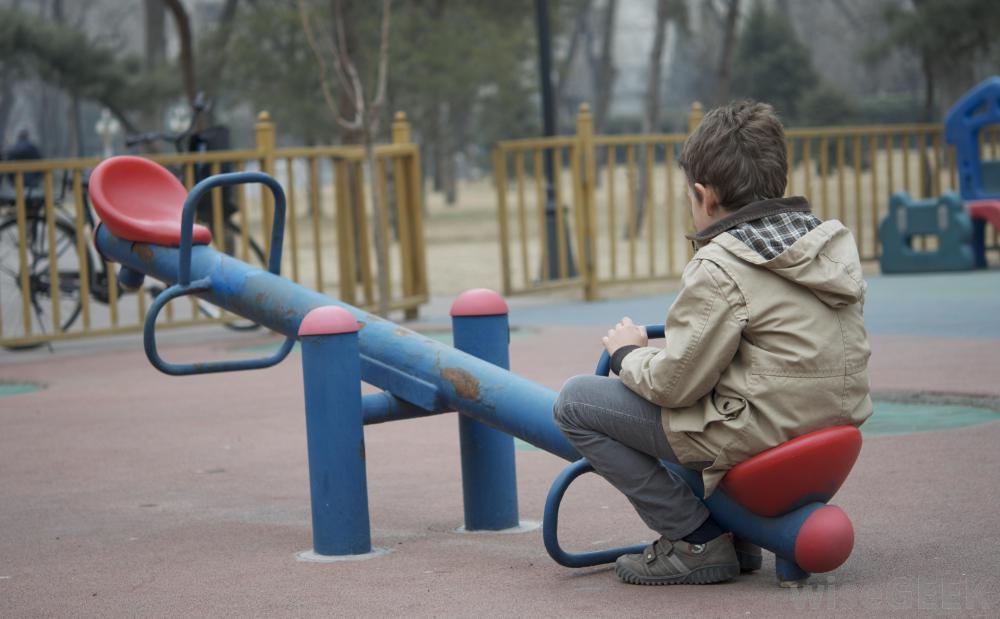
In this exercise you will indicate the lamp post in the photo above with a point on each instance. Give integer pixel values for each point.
(551, 270)
(107, 128)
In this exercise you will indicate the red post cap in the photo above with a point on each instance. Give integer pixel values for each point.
(328, 320)
(825, 540)
(479, 302)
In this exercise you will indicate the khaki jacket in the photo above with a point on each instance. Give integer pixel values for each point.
(759, 351)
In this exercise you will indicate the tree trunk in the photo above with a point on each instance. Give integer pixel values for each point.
(381, 221)
(437, 146)
(76, 128)
(579, 27)
(183, 24)
(355, 176)
(651, 117)
(217, 56)
(927, 64)
(459, 120)
(155, 35)
(726, 56)
(156, 51)
(605, 74)
(6, 101)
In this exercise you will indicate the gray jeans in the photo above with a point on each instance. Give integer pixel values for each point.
(621, 434)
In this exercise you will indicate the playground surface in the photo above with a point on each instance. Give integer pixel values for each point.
(125, 492)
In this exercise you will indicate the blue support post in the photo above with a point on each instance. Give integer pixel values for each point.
(331, 368)
(979, 243)
(789, 574)
(489, 478)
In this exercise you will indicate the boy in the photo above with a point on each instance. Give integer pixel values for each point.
(764, 342)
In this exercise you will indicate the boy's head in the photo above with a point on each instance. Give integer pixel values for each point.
(736, 156)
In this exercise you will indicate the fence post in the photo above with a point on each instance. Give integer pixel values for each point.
(264, 137)
(585, 142)
(405, 214)
(695, 116)
(694, 119)
(500, 181)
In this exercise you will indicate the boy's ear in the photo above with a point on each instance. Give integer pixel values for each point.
(706, 197)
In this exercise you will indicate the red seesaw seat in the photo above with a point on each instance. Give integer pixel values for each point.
(808, 468)
(139, 200)
(987, 210)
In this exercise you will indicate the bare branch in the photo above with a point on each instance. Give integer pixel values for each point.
(359, 91)
(351, 125)
(345, 64)
(183, 23)
(383, 62)
(338, 51)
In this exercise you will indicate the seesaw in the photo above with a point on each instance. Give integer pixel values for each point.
(776, 500)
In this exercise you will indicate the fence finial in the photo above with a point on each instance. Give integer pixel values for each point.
(695, 116)
(264, 134)
(400, 128)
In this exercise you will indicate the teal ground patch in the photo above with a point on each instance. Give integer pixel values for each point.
(892, 417)
(524, 446)
(18, 388)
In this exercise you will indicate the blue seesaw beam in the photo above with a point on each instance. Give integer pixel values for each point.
(413, 367)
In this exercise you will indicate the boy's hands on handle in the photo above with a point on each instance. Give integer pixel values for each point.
(625, 333)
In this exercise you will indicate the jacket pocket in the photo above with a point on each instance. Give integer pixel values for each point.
(728, 407)
(709, 409)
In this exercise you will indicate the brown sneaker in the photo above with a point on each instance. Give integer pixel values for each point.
(680, 563)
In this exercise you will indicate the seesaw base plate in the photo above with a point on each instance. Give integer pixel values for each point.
(310, 556)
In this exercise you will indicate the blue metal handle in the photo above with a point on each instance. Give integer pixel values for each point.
(550, 520)
(550, 524)
(185, 286)
(653, 332)
(224, 180)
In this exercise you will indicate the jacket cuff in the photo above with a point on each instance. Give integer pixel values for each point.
(619, 356)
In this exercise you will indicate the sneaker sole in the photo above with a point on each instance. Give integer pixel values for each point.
(701, 576)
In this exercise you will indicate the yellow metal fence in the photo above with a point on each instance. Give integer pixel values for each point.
(624, 210)
(46, 227)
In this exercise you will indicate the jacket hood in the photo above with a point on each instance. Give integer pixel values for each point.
(788, 240)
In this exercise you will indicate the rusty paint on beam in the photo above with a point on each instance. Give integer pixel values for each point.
(466, 385)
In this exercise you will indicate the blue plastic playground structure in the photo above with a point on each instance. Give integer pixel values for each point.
(957, 221)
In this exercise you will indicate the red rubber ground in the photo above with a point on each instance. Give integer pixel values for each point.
(124, 492)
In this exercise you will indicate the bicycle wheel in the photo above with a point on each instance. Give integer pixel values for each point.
(256, 257)
(39, 287)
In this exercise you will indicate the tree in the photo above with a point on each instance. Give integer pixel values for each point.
(66, 58)
(362, 114)
(604, 70)
(725, 70)
(666, 10)
(269, 65)
(459, 65)
(772, 64)
(948, 36)
(183, 24)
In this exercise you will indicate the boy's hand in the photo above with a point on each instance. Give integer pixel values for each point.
(625, 333)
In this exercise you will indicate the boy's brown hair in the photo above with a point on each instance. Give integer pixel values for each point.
(739, 151)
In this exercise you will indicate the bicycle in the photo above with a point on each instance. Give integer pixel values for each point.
(31, 291)
(191, 140)
(37, 277)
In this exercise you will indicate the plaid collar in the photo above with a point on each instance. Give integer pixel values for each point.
(751, 212)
